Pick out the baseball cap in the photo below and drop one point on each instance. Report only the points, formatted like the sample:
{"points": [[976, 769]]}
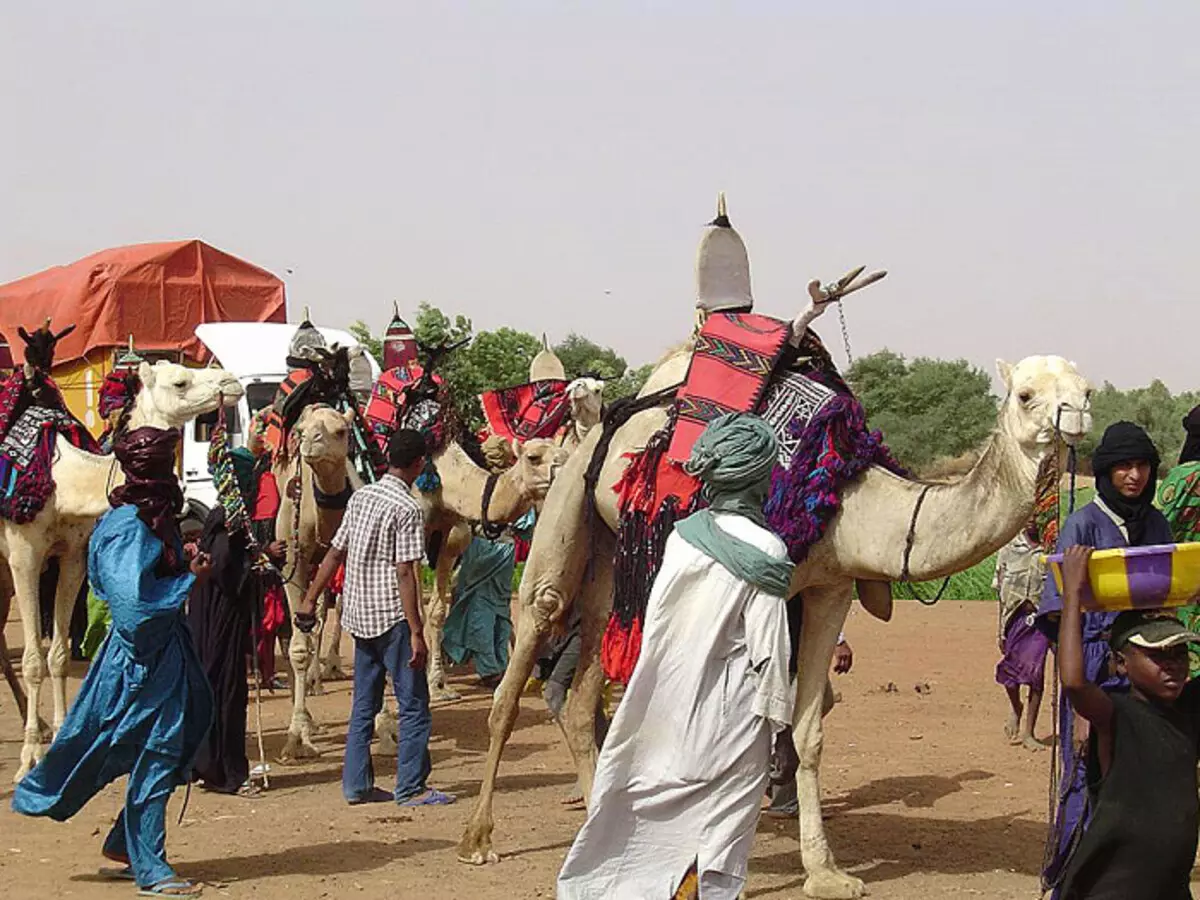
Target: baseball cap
{"points": [[1153, 630]]}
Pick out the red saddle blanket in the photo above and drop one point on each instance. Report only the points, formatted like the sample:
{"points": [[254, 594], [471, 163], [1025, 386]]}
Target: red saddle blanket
{"points": [[527, 411]]}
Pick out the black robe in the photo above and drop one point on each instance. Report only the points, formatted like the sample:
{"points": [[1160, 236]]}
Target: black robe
{"points": [[219, 613]]}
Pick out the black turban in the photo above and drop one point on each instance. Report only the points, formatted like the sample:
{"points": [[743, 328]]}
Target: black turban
{"points": [[1126, 442], [1191, 443]]}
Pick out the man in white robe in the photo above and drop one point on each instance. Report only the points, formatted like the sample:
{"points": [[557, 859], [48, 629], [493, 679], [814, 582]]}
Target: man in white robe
{"points": [[680, 781]]}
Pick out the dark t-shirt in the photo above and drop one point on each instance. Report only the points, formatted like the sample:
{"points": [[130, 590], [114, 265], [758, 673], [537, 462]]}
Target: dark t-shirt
{"points": [[1140, 842]]}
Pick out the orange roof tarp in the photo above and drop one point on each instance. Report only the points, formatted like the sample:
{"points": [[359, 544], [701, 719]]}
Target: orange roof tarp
{"points": [[158, 293]]}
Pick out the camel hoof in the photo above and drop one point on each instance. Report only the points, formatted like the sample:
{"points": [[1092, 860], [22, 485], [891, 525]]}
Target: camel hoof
{"points": [[479, 858], [297, 748], [31, 754], [444, 695], [830, 884]]}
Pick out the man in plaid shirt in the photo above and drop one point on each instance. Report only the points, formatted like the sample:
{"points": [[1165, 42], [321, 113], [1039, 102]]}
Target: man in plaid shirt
{"points": [[382, 541]]}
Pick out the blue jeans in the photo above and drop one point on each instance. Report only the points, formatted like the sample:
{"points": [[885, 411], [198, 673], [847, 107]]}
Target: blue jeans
{"points": [[374, 659]]}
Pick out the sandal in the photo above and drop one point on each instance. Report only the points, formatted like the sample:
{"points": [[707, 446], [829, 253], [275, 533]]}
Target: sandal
{"points": [[431, 797], [172, 888], [250, 790]]}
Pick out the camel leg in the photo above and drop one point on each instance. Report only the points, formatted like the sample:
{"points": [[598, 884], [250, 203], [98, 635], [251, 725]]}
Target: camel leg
{"points": [[579, 718], [301, 652], [435, 619], [332, 667], [71, 567], [314, 673], [475, 847], [6, 666], [25, 564], [825, 610]]}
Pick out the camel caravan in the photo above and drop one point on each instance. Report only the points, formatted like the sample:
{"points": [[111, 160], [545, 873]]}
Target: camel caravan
{"points": [[605, 486]]}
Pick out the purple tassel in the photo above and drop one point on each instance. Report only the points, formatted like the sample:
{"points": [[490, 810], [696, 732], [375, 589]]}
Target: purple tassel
{"points": [[835, 448]]}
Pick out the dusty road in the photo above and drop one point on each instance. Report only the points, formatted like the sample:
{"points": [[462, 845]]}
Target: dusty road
{"points": [[924, 797]]}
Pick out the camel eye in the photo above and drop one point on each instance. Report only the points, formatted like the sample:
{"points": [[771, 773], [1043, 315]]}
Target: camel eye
{"points": [[1025, 396], [180, 385]]}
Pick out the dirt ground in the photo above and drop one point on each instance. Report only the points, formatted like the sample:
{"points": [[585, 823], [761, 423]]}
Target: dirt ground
{"points": [[923, 795]]}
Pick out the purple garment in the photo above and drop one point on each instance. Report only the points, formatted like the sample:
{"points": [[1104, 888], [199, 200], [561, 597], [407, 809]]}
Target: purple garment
{"points": [[1024, 659], [1090, 526]]}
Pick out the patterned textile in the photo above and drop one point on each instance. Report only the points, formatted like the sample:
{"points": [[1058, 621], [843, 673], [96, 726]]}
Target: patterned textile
{"points": [[733, 360], [792, 396], [383, 526], [1179, 500], [27, 437], [389, 407], [527, 411]]}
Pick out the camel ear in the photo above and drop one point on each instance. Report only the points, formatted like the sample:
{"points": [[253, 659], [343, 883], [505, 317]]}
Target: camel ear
{"points": [[1005, 371], [146, 375]]}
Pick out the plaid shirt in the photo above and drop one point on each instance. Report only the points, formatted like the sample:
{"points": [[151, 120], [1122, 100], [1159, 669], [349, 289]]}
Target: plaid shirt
{"points": [[383, 526]]}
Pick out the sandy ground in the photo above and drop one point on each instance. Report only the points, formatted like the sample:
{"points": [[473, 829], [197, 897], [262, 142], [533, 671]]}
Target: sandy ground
{"points": [[924, 797]]}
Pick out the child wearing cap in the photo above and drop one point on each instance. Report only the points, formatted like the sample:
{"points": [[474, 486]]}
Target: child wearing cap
{"points": [[1139, 842]]}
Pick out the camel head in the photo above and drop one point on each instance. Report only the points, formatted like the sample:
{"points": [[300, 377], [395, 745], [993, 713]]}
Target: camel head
{"points": [[1046, 396], [537, 461], [171, 395], [586, 396], [323, 435]]}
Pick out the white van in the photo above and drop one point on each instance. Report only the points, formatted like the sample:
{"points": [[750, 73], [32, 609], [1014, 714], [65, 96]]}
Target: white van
{"points": [[256, 354]]}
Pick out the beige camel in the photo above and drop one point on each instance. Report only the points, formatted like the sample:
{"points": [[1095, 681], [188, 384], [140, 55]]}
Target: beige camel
{"points": [[959, 525], [320, 476], [169, 396]]}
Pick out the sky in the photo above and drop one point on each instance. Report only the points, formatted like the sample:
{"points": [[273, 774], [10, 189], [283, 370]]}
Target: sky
{"points": [[1028, 173]]}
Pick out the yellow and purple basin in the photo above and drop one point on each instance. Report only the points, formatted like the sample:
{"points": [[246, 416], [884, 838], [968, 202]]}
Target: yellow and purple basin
{"points": [[1138, 577]]}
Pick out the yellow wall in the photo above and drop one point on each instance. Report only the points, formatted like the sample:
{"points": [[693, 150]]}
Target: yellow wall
{"points": [[80, 381]]}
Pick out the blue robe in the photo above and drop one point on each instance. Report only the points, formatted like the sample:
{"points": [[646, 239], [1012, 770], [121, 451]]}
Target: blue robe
{"points": [[143, 709], [480, 621], [1090, 526]]}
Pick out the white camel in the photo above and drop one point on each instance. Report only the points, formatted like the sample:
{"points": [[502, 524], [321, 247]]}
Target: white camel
{"points": [[169, 396]]}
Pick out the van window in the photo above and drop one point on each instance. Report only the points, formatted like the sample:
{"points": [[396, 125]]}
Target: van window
{"points": [[260, 394], [204, 425]]}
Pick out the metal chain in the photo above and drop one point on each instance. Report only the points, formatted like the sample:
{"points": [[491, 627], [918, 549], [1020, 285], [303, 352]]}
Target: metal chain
{"points": [[845, 334]]}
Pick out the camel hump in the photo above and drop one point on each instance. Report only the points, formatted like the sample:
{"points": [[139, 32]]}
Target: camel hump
{"points": [[722, 266]]}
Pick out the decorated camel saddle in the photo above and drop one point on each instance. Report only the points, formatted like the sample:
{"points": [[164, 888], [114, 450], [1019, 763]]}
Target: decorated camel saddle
{"points": [[742, 362], [32, 415], [319, 374], [537, 409], [412, 395]]}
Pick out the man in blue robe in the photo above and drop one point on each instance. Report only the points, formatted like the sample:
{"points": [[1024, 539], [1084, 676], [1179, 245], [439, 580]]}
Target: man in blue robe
{"points": [[1126, 466], [145, 706]]}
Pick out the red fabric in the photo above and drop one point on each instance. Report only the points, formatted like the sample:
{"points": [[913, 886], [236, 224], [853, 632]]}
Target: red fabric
{"points": [[383, 409], [158, 292], [272, 621], [266, 501], [338, 582], [527, 411], [730, 369]]}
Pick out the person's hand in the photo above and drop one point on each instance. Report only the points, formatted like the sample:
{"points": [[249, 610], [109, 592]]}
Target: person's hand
{"points": [[843, 658], [201, 565], [420, 652], [277, 549], [1075, 570], [190, 549], [304, 621], [784, 758]]}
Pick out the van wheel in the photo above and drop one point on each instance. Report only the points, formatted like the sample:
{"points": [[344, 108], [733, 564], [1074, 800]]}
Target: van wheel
{"points": [[191, 523]]}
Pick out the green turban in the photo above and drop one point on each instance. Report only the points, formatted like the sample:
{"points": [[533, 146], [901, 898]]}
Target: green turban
{"points": [[733, 459]]}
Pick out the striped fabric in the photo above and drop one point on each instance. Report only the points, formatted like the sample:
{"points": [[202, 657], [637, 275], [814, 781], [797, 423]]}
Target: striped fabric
{"points": [[1165, 575]]}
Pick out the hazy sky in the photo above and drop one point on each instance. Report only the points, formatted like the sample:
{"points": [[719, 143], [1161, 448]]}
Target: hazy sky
{"points": [[1027, 172]]}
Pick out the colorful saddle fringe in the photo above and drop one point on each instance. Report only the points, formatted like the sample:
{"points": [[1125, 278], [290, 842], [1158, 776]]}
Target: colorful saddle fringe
{"points": [[27, 438]]}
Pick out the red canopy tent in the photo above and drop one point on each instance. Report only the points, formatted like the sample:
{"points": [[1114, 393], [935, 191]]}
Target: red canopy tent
{"points": [[158, 293]]}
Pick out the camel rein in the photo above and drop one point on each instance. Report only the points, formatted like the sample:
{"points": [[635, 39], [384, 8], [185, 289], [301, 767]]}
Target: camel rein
{"points": [[909, 540], [491, 530]]}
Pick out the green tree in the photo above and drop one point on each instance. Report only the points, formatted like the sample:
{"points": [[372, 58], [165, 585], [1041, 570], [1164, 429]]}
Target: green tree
{"points": [[581, 356], [927, 409], [1152, 407]]}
